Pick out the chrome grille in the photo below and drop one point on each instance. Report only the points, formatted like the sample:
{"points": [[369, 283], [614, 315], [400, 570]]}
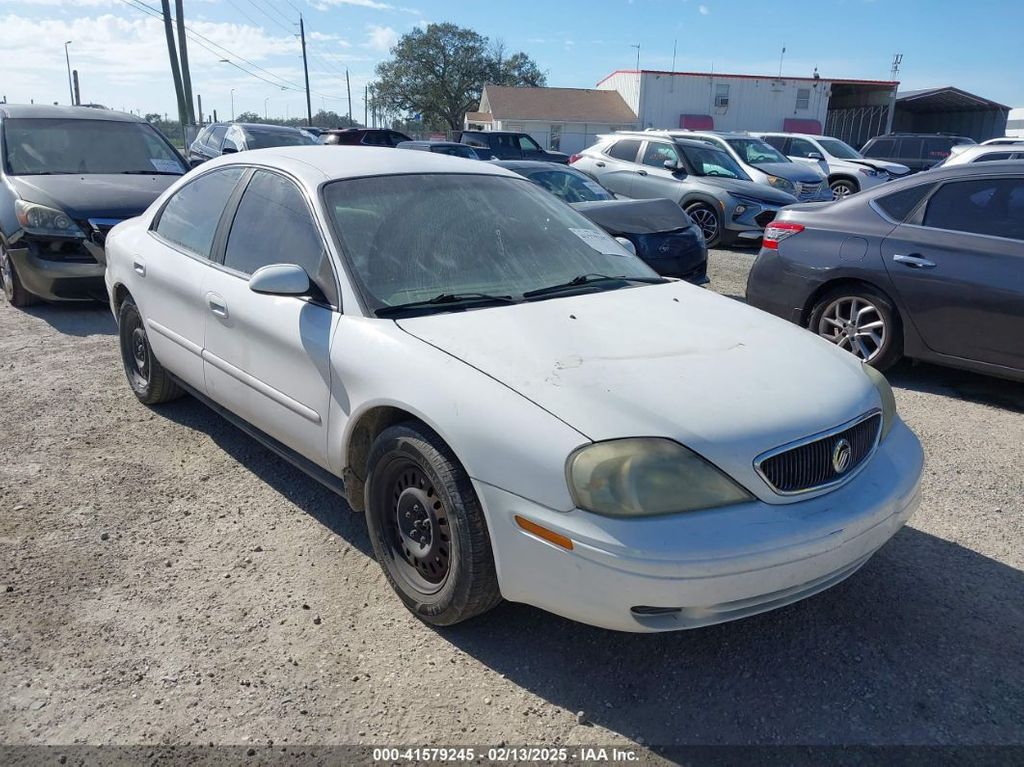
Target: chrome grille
{"points": [[808, 191], [812, 463]]}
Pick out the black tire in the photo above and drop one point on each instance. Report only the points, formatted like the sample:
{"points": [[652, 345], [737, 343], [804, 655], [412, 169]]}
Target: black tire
{"points": [[14, 291], [149, 379], [427, 527], [707, 218], [842, 188], [867, 307]]}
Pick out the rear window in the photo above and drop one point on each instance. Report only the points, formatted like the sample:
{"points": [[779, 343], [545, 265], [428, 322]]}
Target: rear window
{"points": [[899, 205], [624, 150], [262, 139]]}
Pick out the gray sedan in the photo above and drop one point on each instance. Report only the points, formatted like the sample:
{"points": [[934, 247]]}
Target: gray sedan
{"points": [[930, 267]]}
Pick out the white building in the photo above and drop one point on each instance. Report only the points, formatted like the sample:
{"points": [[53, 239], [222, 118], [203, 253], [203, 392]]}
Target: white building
{"points": [[1015, 123], [854, 110], [561, 119]]}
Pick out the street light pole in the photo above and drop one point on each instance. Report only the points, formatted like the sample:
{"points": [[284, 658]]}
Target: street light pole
{"points": [[67, 58], [265, 113], [232, 105]]}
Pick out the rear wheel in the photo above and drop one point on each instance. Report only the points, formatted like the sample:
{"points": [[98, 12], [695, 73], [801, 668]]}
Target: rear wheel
{"points": [[14, 291], [841, 188], [149, 379], [862, 321], [427, 527], [707, 218]]}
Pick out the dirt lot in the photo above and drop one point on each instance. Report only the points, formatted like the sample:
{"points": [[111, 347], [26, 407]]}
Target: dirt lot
{"points": [[164, 579]]}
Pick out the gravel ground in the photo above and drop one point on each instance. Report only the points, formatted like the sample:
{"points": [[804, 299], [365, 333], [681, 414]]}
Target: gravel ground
{"points": [[165, 579]]}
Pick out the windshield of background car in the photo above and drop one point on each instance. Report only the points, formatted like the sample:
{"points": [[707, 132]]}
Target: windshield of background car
{"points": [[456, 150], [414, 237], [35, 146], [754, 151], [709, 161], [264, 139], [839, 149], [569, 186]]}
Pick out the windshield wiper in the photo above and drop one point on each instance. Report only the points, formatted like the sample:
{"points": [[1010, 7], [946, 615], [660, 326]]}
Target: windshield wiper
{"points": [[444, 300], [150, 173], [587, 279]]}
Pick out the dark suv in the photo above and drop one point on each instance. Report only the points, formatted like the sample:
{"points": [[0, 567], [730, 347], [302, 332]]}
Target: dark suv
{"points": [[67, 176], [364, 137], [504, 145], [918, 151]]}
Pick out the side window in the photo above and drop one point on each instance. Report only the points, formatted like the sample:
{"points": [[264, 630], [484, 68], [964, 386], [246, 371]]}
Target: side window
{"points": [[884, 147], [216, 136], [984, 206], [624, 150], [273, 225], [899, 205], [658, 153], [995, 157], [911, 148], [527, 144], [779, 142], [800, 147], [803, 98], [396, 138], [204, 135], [473, 140], [190, 217]]}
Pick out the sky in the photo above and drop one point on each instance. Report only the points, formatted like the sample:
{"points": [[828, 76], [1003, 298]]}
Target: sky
{"points": [[119, 48]]}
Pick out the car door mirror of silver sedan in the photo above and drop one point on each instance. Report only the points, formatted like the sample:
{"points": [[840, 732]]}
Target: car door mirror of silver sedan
{"points": [[626, 244], [675, 167], [280, 280]]}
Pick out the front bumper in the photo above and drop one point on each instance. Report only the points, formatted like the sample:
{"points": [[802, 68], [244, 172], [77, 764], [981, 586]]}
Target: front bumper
{"points": [[749, 225], [58, 280], [705, 567]]}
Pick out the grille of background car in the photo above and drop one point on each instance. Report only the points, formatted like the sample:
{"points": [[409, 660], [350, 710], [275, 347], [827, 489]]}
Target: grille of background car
{"points": [[807, 191], [809, 466]]}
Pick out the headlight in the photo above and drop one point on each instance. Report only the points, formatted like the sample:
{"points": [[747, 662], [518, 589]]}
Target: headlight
{"points": [[781, 183], [39, 219], [645, 477], [888, 400]]}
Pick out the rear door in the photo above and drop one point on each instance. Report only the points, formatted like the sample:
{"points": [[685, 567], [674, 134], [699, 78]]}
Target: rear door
{"points": [[958, 266], [171, 273], [267, 358], [616, 169]]}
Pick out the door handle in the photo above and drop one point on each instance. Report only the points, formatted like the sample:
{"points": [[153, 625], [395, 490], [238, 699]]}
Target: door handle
{"points": [[599, 164], [139, 267], [217, 305], [641, 173], [914, 262]]}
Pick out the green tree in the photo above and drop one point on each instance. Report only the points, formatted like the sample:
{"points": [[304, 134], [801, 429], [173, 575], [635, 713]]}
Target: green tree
{"points": [[439, 73]]}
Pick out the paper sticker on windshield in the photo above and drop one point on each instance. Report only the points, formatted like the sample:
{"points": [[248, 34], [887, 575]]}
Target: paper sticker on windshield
{"points": [[166, 166], [600, 242]]}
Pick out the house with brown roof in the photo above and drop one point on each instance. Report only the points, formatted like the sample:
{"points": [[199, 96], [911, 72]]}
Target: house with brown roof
{"points": [[561, 119]]}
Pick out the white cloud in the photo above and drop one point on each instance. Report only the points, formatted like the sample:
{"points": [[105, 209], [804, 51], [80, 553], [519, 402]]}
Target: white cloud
{"points": [[704, 10], [381, 38]]}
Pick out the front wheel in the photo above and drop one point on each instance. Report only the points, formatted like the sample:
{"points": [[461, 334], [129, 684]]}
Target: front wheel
{"points": [[14, 291], [863, 322], [707, 218], [427, 527], [149, 379], [842, 189]]}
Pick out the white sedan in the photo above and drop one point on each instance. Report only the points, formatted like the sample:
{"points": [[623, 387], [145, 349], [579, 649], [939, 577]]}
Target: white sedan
{"points": [[522, 408]]}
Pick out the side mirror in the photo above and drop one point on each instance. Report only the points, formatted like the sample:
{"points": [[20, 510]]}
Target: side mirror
{"points": [[280, 280], [626, 244], [675, 167], [815, 156]]}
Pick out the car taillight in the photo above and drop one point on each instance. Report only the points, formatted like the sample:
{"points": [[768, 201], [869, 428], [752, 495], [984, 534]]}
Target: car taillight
{"points": [[574, 157], [777, 231]]}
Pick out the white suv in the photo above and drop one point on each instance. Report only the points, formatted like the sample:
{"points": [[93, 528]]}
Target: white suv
{"points": [[848, 171]]}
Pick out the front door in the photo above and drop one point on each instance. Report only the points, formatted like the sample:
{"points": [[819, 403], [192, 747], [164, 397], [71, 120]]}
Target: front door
{"points": [[958, 266], [267, 358], [653, 179]]}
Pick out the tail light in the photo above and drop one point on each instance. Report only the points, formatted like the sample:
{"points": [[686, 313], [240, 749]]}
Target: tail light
{"points": [[574, 157], [777, 231]]}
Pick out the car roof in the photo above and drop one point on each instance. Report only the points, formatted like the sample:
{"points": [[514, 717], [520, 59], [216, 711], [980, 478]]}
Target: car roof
{"points": [[529, 165], [314, 164], [428, 142], [677, 136], [57, 112], [912, 133]]}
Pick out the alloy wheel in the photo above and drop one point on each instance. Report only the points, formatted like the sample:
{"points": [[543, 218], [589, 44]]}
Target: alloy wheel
{"points": [[706, 219], [855, 324], [841, 191], [418, 530], [7, 274]]}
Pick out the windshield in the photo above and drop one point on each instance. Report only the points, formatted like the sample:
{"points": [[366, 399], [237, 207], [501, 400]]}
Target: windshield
{"points": [[839, 149], [754, 151], [709, 161], [264, 139], [35, 146], [569, 186], [455, 150], [415, 237]]}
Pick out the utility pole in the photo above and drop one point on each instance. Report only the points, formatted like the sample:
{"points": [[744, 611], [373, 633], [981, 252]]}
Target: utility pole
{"points": [[78, 93], [175, 72], [305, 69], [67, 58], [348, 87], [366, 92], [199, 98], [781, 57], [186, 78]]}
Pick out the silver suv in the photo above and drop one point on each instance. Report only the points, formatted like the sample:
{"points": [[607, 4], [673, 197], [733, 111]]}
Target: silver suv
{"points": [[705, 181]]}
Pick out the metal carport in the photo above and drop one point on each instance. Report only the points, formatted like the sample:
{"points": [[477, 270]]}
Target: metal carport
{"points": [[949, 110]]}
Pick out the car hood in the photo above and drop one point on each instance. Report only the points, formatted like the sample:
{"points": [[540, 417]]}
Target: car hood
{"points": [[635, 216], [791, 171], [670, 360], [750, 189], [84, 196]]}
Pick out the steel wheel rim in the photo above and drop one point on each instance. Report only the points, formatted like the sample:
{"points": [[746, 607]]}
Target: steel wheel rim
{"points": [[855, 324], [417, 531], [136, 352], [706, 219], [7, 274], [839, 191]]}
